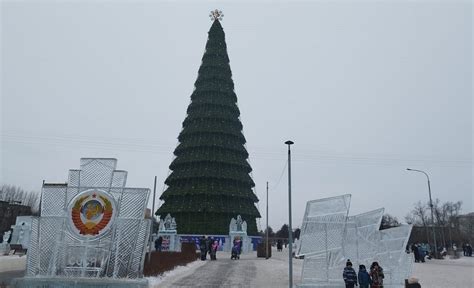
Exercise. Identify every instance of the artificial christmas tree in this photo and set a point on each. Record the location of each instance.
(210, 183)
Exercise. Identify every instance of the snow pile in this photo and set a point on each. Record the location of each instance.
(176, 273)
(12, 263)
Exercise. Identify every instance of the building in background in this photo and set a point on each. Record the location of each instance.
(8, 213)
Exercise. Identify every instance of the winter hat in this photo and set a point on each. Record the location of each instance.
(412, 280)
(348, 263)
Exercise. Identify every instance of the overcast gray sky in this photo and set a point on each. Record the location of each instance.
(364, 89)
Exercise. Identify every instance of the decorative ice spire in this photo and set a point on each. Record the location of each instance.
(216, 15)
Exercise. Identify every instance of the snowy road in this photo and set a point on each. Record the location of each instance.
(249, 271)
(223, 273)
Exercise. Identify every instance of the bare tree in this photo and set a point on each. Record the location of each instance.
(271, 233)
(421, 215)
(389, 221)
(15, 194)
(446, 219)
(453, 210)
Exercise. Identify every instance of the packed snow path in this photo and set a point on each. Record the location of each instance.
(223, 273)
(248, 271)
(251, 271)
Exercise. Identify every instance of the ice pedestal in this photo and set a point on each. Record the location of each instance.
(60, 282)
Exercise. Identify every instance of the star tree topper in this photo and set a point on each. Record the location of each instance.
(216, 15)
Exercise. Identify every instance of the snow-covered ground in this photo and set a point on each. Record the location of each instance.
(446, 273)
(251, 271)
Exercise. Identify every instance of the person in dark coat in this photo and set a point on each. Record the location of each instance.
(349, 275)
(468, 250)
(376, 273)
(364, 277)
(416, 252)
(279, 245)
(210, 240)
(158, 243)
(203, 247)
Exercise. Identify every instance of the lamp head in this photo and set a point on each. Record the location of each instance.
(289, 142)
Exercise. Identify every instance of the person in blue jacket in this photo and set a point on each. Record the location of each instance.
(364, 277)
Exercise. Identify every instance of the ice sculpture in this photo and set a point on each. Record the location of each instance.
(329, 237)
(167, 231)
(91, 227)
(238, 229)
(21, 231)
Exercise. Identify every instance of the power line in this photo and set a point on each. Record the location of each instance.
(143, 145)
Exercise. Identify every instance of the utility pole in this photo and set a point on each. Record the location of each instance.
(152, 218)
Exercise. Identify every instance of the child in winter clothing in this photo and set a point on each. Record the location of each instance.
(364, 277)
(214, 247)
(376, 273)
(349, 275)
(236, 249)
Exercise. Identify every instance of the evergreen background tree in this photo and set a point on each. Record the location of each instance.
(210, 183)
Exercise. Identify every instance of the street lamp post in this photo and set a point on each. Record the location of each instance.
(290, 232)
(431, 207)
(266, 241)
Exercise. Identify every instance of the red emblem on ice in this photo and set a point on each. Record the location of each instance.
(92, 212)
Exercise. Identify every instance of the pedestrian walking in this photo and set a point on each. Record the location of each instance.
(468, 250)
(444, 252)
(209, 242)
(416, 252)
(158, 243)
(422, 252)
(203, 247)
(349, 275)
(214, 247)
(364, 277)
(376, 273)
(236, 248)
(279, 245)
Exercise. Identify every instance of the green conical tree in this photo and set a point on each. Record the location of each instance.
(210, 183)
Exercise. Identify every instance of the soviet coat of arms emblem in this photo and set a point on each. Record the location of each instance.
(92, 212)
